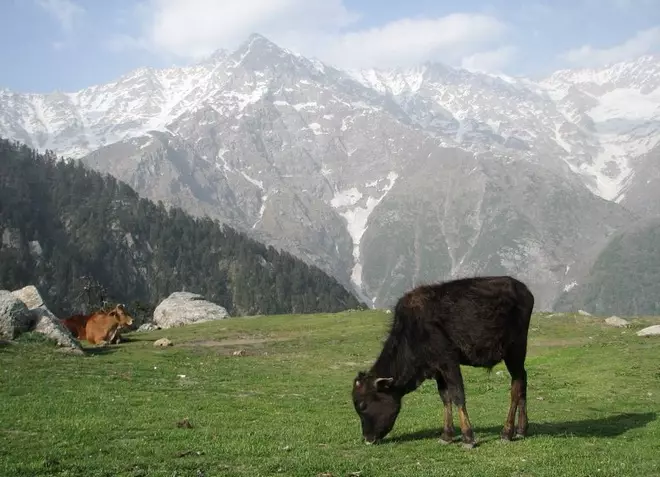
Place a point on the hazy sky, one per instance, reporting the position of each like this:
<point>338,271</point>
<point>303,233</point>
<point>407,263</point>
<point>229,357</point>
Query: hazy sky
<point>65,45</point>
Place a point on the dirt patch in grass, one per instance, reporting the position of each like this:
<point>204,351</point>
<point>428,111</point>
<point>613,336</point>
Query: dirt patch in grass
<point>246,346</point>
<point>234,342</point>
<point>557,342</point>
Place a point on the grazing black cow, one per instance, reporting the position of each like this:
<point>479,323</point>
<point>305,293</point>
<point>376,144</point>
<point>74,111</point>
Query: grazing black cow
<point>478,322</point>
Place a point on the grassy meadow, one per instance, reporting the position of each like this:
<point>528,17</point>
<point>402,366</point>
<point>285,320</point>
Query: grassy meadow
<point>284,408</point>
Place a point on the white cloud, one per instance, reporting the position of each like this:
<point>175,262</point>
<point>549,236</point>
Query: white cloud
<point>493,61</point>
<point>195,28</point>
<point>66,12</point>
<point>192,29</point>
<point>411,41</point>
<point>643,42</point>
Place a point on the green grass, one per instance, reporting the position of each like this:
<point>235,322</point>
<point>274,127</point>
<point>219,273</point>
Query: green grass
<point>284,408</point>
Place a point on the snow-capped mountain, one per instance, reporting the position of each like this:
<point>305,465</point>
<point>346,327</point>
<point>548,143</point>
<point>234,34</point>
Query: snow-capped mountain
<point>596,121</point>
<point>385,179</point>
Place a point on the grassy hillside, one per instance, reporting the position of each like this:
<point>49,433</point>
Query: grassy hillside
<point>284,407</point>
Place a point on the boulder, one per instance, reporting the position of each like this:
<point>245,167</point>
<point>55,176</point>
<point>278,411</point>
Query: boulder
<point>184,308</point>
<point>163,343</point>
<point>44,321</point>
<point>650,331</point>
<point>617,322</point>
<point>584,313</point>
<point>30,296</point>
<point>15,317</point>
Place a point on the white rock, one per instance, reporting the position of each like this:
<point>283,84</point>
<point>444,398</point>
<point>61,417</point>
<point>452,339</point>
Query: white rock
<point>584,313</point>
<point>44,321</point>
<point>162,343</point>
<point>184,308</point>
<point>650,331</point>
<point>617,322</point>
<point>15,317</point>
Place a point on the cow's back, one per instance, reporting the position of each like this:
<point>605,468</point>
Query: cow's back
<point>76,324</point>
<point>476,319</point>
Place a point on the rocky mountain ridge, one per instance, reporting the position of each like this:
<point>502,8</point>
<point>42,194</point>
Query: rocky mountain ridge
<point>385,179</point>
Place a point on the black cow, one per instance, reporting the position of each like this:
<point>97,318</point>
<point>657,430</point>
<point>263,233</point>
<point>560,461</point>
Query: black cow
<point>478,322</point>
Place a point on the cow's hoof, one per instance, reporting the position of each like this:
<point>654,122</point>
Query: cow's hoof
<point>444,441</point>
<point>506,435</point>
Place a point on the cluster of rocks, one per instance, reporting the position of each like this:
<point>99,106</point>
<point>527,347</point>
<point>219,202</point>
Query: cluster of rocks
<point>618,322</point>
<point>24,311</point>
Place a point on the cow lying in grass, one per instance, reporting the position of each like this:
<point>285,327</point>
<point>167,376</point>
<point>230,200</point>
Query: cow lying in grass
<point>436,328</point>
<point>100,327</point>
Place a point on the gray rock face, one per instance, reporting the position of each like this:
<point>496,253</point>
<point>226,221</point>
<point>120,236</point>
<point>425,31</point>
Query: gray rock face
<point>30,296</point>
<point>44,321</point>
<point>624,276</point>
<point>184,308</point>
<point>650,331</point>
<point>641,192</point>
<point>15,318</point>
<point>458,215</point>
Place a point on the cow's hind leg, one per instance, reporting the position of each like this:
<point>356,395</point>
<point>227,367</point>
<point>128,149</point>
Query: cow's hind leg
<point>515,364</point>
<point>454,380</point>
<point>448,427</point>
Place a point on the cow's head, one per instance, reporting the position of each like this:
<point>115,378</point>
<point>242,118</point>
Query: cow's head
<point>125,319</point>
<point>377,404</point>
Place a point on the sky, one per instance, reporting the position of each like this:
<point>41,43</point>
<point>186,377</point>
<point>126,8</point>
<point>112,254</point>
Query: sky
<point>66,45</point>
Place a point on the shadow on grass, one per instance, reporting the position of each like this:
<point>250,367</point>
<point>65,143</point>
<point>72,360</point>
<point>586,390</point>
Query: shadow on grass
<point>100,350</point>
<point>611,426</point>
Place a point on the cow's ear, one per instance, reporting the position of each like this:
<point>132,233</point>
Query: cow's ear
<point>383,383</point>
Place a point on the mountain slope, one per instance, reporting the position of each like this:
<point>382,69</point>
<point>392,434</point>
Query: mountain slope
<point>60,223</point>
<point>641,192</point>
<point>327,164</point>
<point>458,214</point>
<point>625,277</point>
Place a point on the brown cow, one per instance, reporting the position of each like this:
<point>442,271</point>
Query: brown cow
<point>103,327</point>
<point>76,325</point>
<point>100,326</point>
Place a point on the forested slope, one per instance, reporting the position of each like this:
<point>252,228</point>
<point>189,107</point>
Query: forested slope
<point>64,227</point>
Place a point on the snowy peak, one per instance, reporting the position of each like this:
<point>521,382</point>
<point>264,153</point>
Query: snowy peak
<point>638,73</point>
<point>596,121</point>
<point>394,82</point>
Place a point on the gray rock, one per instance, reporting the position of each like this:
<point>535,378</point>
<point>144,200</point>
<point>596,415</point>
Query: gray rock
<point>184,308</point>
<point>148,327</point>
<point>162,343</point>
<point>650,331</point>
<point>617,322</point>
<point>15,317</point>
<point>30,296</point>
<point>44,321</point>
